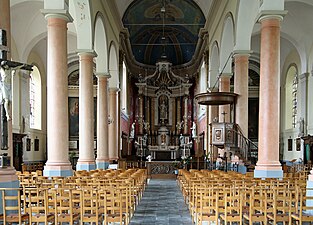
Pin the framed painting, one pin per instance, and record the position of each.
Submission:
(73, 110)
(253, 118)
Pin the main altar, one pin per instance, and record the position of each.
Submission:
(163, 116)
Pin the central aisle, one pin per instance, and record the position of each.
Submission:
(162, 204)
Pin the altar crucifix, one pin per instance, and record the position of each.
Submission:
(7, 70)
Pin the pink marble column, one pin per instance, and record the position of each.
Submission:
(86, 160)
(57, 97)
(268, 164)
(113, 124)
(102, 122)
(212, 115)
(224, 110)
(5, 22)
(241, 88)
(8, 178)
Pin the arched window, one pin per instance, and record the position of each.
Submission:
(35, 99)
(291, 91)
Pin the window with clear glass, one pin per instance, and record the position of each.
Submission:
(35, 99)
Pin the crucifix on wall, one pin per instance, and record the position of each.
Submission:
(7, 70)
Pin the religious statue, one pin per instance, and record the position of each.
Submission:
(6, 83)
(194, 130)
(163, 110)
(181, 140)
(132, 131)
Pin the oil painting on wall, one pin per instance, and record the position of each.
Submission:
(73, 104)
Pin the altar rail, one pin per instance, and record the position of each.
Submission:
(161, 169)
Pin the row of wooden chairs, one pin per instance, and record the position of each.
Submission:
(255, 200)
(71, 199)
(247, 206)
(40, 205)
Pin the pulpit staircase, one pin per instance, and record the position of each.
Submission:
(230, 137)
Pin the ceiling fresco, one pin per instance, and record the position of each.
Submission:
(162, 29)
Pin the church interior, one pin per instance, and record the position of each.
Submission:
(156, 111)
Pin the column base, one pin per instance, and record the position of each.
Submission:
(86, 165)
(58, 171)
(268, 173)
(102, 165)
(8, 179)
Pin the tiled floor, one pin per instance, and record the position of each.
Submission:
(162, 204)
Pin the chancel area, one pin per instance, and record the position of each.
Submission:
(156, 111)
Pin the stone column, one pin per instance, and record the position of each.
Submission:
(242, 89)
(212, 116)
(8, 178)
(86, 160)
(102, 122)
(57, 94)
(5, 23)
(268, 164)
(113, 128)
(224, 110)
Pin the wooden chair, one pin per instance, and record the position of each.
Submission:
(232, 211)
(279, 208)
(208, 210)
(303, 206)
(89, 208)
(257, 206)
(63, 206)
(11, 203)
(113, 207)
(37, 204)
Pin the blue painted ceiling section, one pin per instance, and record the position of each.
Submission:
(163, 29)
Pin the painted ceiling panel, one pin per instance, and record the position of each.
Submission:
(163, 29)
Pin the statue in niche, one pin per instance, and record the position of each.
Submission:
(132, 131)
(163, 110)
(163, 106)
(194, 130)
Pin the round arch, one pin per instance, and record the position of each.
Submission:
(101, 45)
(113, 66)
(213, 65)
(227, 44)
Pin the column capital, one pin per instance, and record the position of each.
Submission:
(114, 89)
(271, 14)
(82, 52)
(57, 13)
(226, 75)
(103, 75)
(242, 53)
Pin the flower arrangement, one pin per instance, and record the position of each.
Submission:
(185, 160)
(149, 158)
(207, 157)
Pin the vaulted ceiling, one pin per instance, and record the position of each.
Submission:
(163, 29)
